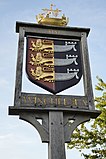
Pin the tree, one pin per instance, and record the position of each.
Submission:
(92, 135)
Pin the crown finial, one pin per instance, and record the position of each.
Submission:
(50, 17)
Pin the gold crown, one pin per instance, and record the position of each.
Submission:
(49, 17)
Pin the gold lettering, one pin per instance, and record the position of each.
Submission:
(53, 31)
(29, 99)
(55, 101)
(44, 100)
(75, 102)
(84, 102)
(49, 31)
(39, 101)
(24, 99)
(51, 100)
(58, 101)
(65, 101)
(35, 99)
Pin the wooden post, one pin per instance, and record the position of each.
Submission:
(86, 72)
(56, 136)
(18, 82)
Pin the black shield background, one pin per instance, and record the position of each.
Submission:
(62, 85)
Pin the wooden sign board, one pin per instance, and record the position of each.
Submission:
(56, 59)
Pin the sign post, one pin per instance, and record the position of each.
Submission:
(56, 135)
(56, 59)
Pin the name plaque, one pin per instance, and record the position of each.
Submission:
(53, 101)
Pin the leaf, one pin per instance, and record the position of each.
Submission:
(98, 88)
(92, 135)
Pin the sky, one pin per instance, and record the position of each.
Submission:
(18, 139)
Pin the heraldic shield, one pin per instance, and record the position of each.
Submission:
(53, 64)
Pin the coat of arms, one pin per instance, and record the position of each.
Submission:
(53, 64)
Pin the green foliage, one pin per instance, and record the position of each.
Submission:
(92, 136)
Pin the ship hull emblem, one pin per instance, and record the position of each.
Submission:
(54, 65)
